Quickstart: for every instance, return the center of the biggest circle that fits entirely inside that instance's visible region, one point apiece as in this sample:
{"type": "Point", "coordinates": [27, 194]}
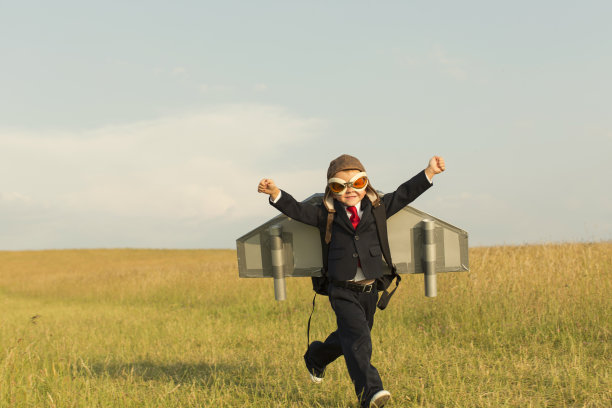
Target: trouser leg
{"type": "Point", "coordinates": [355, 317]}
{"type": "Point", "coordinates": [321, 354]}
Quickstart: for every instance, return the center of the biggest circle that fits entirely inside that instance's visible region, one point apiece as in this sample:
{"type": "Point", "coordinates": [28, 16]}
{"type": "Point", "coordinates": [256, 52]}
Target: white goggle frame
{"type": "Point", "coordinates": [349, 183]}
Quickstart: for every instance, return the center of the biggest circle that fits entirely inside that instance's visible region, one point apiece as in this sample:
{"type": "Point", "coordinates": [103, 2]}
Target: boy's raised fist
{"type": "Point", "coordinates": [436, 166]}
{"type": "Point", "coordinates": [267, 186]}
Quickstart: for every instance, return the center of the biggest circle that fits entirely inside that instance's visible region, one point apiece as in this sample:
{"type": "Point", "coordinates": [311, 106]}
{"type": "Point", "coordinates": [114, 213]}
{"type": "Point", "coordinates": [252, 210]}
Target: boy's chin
{"type": "Point", "coordinates": [352, 201]}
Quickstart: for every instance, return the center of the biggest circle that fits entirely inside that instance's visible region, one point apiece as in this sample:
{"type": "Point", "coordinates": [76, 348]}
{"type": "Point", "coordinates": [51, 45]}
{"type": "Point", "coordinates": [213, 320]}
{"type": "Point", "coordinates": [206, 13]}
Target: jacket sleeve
{"type": "Point", "coordinates": [306, 213]}
{"type": "Point", "coordinates": [406, 193]}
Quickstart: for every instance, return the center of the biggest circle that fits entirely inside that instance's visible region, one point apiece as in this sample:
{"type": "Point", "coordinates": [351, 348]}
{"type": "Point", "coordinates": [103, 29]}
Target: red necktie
{"type": "Point", "coordinates": [354, 217]}
{"type": "Point", "coordinates": [355, 221]}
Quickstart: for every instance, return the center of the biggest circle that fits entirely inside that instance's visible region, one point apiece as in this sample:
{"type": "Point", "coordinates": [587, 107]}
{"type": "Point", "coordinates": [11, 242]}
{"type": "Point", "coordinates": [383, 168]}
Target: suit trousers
{"type": "Point", "coordinates": [355, 318]}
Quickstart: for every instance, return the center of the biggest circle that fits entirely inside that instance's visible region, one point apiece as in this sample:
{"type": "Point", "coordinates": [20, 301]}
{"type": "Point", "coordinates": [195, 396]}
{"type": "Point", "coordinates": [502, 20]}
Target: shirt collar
{"type": "Point", "coordinates": [357, 206]}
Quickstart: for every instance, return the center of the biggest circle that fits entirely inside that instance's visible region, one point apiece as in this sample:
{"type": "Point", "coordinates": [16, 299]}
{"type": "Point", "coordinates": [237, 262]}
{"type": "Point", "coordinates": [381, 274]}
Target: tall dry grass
{"type": "Point", "coordinates": [528, 326]}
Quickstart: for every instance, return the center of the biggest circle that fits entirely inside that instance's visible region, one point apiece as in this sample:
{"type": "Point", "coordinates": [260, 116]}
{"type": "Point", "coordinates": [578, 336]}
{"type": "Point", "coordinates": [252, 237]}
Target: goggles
{"type": "Point", "coordinates": [358, 182]}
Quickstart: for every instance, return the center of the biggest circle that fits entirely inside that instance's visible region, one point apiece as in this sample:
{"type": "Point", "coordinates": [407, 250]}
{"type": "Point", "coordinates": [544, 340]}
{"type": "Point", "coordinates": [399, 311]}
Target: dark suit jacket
{"type": "Point", "coordinates": [349, 245]}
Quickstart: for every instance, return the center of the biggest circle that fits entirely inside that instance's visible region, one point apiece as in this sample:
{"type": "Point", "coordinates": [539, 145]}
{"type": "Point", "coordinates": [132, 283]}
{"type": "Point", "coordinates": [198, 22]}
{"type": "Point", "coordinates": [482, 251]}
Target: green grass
{"type": "Point", "coordinates": [528, 326]}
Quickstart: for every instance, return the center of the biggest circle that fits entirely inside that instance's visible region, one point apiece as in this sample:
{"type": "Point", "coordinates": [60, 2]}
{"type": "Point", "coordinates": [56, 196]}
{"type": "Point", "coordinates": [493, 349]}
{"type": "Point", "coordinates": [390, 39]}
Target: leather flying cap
{"type": "Point", "coordinates": [344, 162]}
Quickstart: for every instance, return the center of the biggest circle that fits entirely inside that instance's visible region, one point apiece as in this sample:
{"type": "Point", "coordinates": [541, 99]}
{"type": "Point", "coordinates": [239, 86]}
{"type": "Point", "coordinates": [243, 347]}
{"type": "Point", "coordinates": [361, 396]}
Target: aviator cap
{"type": "Point", "coordinates": [344, 162]}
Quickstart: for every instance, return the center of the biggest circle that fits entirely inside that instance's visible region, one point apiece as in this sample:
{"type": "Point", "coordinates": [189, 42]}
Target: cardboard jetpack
{"type": "Point", "coordinates": [420, 243]}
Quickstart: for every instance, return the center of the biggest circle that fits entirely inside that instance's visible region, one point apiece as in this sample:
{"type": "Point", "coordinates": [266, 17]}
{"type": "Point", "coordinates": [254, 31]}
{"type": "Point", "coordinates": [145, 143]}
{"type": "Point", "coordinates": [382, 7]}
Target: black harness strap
{"type": "Point", "coordinates": [309, 319]}
{"type": "Point", "coordinates": [380, 217]}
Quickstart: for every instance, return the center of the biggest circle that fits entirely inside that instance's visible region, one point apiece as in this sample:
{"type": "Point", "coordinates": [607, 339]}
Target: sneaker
{"type": "Point", "coordinates": [380, 399]}
{"type": "Point", "coordinates": [316, 376]}
{"type": "Point", "coordinates": [315, 379]}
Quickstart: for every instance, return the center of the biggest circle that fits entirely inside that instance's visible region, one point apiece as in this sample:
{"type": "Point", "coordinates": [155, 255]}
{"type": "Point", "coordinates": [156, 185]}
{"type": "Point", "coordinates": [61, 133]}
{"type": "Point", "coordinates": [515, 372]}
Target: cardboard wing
{"type": "Point", "coordinates": [283, 247]}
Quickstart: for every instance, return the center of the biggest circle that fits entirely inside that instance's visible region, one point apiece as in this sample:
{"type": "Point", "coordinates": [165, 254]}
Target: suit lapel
{"type": "Point", "coordinates": [366, 216]}
{"type": "Point", "coordinates": [341, 217]}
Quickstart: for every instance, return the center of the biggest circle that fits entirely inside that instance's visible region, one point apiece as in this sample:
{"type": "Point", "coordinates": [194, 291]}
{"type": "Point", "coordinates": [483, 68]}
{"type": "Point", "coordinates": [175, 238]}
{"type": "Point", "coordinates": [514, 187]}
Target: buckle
{"type": "Point", "coordinates": [355, 287]}
{"type": "Point", "coordinates": [361, 288]}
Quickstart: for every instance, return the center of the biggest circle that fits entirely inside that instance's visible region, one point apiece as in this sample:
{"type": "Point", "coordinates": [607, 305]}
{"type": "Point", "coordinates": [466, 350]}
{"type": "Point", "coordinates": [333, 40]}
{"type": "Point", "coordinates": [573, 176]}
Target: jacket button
{"type": "Point", "coordinates": [356, 237]}
{"type": "Point", "coordinates": [355, 255]}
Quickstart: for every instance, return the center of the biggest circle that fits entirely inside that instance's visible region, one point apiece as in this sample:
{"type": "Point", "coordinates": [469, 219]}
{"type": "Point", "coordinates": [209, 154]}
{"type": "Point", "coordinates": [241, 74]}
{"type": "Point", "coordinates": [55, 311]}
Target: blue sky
{"type": "Point", "coordinates": [149, 124]}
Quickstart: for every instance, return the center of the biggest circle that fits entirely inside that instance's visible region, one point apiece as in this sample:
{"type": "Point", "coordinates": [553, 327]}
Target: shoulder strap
{"type": "Point", "coordinates": [380, 216]}
{"type": "Point", "coordinates": [322, 231]}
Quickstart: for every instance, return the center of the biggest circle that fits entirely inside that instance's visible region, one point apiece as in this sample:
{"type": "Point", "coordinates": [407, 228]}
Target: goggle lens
{"type": "Point", "coordinates": [360, 183]}
{"type": "Point", "coordinates": [339, 186]}
{"type": "Point", "coordinates": [336, 187]}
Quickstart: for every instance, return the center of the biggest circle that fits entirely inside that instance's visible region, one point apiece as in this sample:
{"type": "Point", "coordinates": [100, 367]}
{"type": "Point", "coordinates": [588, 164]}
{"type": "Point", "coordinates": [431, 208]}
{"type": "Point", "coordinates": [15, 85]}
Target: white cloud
{"type": "Point", "coordinates": [177, 71]}
{"type": "Point", "coordinates": [12, 197]}
{"type": "Point", "coordinates": [454, 67]}
{"type": "Point", "coordinates": [199, 166]}
{"type": "Point", "coordinates": [260, 87]}
{"type": "Point", "coordinates": [205, 88]}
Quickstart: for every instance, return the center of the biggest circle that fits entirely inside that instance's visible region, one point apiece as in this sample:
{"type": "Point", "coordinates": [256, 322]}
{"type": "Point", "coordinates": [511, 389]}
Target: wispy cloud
{"type": "Point", "coordinates": [177, 71]}
{"type": "Point", "coordinates": [455, 67]}
{"type": "Point", "coordinates": [195, 166]}
{"type": "Point", "coordinates": [260, 87]}
{"type": "Point", "coordinates": [205, 88]}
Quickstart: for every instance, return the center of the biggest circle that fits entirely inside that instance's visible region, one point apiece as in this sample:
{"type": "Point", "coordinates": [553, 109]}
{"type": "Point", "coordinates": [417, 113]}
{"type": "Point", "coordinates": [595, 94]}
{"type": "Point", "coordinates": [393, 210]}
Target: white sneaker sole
{"type": "Point", "coordinates": [316, 380]}
{"type": "Point", "coordinates": [380, 399]}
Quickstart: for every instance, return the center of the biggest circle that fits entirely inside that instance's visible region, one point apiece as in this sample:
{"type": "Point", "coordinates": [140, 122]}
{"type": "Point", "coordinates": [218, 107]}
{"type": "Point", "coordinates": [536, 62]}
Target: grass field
{"type": "Point", "coordinates": [528, 326]}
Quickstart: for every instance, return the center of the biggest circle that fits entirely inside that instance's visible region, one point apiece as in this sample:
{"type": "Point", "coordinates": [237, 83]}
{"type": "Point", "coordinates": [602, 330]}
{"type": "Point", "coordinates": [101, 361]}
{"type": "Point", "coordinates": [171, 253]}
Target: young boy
{"type": "Point", "coordinates": [354, 263]}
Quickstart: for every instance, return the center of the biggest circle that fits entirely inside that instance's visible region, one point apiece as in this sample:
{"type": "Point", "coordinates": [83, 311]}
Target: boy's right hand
{"type": "Point", "coordinates": [267, 186]}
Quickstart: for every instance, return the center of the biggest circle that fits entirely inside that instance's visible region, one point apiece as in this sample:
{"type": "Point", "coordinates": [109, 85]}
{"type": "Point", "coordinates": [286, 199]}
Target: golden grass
{"type": "Point", "coordinates": [528, 326]}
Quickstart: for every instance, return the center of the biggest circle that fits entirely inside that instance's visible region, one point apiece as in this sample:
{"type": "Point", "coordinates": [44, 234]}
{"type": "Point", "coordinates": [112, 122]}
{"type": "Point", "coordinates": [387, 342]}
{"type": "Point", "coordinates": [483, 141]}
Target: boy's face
{"type": "Point", "coordinates": [350, 197]}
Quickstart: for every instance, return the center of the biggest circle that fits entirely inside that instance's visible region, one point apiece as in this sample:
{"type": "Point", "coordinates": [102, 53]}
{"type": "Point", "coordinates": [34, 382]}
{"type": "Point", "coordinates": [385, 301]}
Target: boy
{"type": "Point", "coordinates": [354, 263]}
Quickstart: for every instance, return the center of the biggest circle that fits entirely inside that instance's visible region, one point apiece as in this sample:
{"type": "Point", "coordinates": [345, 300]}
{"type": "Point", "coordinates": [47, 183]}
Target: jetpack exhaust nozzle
{"type": "Point", "coordinates": [278, 262]}
{"type": "Point", "coordinates": [429, 258]}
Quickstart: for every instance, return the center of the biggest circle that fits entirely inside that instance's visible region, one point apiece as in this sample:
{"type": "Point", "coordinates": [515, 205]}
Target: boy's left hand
{"type": "Point", "coordinates": [436, 166]}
